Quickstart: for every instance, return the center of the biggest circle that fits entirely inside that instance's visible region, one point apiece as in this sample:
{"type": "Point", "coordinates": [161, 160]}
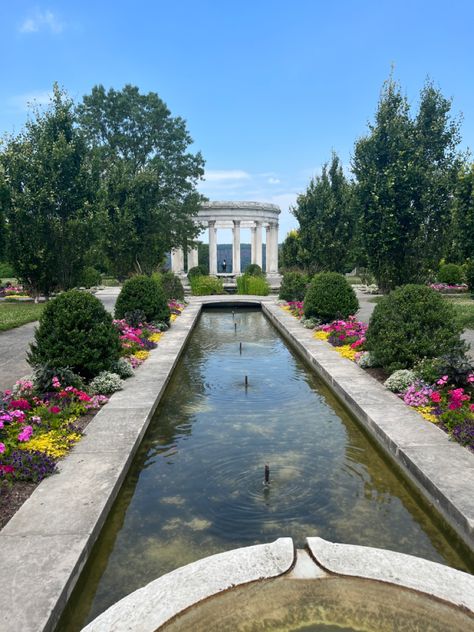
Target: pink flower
{"type": "Point", "coordinates": [2, 448]}
{"type": "Point", "coordinates": [54, 409]}
{"type": "Point", "coordinates": [435, 397]}
{"type": "Point", "coordinates": [25, 434]}
{"type": "Point", "coordinates": [470, 378]}
{"type": "Point", "coordinates": [56, 382]}
{"type": "Point", "coordinates": [442, 380]}
{"type": "Point", "coordinates": [18, 415]}
{"type": "Point", "coordinates": [22, 404]}
{"type": "Point", "coordinates": [471, 408]}
{"type": "Point", "coordinates": [7, 469]}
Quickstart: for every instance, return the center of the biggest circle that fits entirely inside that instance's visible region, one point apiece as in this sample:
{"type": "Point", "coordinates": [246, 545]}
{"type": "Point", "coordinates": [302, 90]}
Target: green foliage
{"type": "Point", "coordinates": [90, 277]}
{"type": "Point", "coordinates": [206, 285]}
{"type": "Point", "coordinates": [290, 252]}
{"type": "Point", "coordinates": [411, 323]}
{"type": "Point", "coordinates": [469, 274]}
{"type": "Point", "coordinates": [406, 169]}
{"type": "Point", "coordinates": [462, 233]}
{"type": "Point", "coordinates": [143, 293]}
{"type": "Point", "coordinates": [199, 270]}
{"type": "Point", "coordinates": [123, 368]}
{"type": "Point", "coordinates": [450, 273]}
{"type": "Point", "coordinates": [6, 270]}
{"type": "Point", "coordinates": [254, 285]}
{"type": "Point", "coordinates": [329, 297]}
{"type": "Point", "coordinates": [171, 284]}
{"type": "Point", "coordinates": [326, 219]}
{"type": "Point", "coordinates": [51, 187]}
{"type": "Point", "coordinates": [106, 383]}
{"type": "Point", "coordinates": [43, 378]}
{"type": "Point", "coordinates": [254, 269]}
{"type": "Point", "coordinates": [15, 314]}
{"type": "Point", "coordinates": [400, 380]}
{"type": "Point", "coordinates": [76, 331]}
{"type": "Point", "coordinates": [456, 365]}
{"type": "Point", "coordinates": [293, 286]}
{"type": "Point", "coordinates": [203, 257]}
{"type": "Point", "coordinates": [135, 317]}
{"type": "Point", "coordinates": [147, 193]}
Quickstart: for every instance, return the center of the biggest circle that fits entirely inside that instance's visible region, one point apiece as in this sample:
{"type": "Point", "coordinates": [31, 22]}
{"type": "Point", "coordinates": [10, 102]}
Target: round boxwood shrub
{"type": "Point", "coordinates": [293, 286]}
{"type": "Point", "coordinates": [329, 297]}
{"type": "Point", "coordinates": [253, 269]}
{"type": "Point", "coordinates": [199, 270]}
{"type": "Point", "coordinates": [171, 284]}
{"type": "Point", "coordinates": [450, 273]}
{"type": "Point", "coordinates": [90, 277]}
{"type": "Point", "coordinates": [77, 332]}
{"type": "Point", "coordinates": [143, 293]}
{"type": "Point", "coordinates": [411, 323]}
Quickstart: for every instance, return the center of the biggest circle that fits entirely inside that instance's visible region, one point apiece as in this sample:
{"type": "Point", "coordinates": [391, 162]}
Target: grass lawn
{"type": "Point", "coordinates": [15, 314]}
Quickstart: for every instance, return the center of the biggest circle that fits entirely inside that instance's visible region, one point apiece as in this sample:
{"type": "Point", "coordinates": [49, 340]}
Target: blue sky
{"type": "Point", "coordinates": [268, 88]}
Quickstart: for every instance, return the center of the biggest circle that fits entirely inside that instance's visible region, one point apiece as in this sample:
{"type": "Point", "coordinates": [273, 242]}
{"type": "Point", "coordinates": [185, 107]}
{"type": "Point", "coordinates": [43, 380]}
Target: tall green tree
{"type": "Point", "coordinates": [148, 176]}
{"type": "Point", "coordinates": [4, 202]}
{"type": "Point", "coordinates": [406, 168]}
{"type": "Point", "coordinates": [290, 255]}
{"type": "Point", "coordinates": [51, 194]}
{"type": "Point", "coordinates": [325, 216]}
{"type": "Point", "coordinates": [462, 244]}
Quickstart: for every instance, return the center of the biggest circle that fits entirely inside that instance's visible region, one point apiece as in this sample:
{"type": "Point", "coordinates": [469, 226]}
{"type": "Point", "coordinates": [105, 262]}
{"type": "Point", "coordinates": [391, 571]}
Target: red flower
{"type": "Point", "coordinates": [435, 396]}
{"type": "Point", "coordinates": [54, 409]}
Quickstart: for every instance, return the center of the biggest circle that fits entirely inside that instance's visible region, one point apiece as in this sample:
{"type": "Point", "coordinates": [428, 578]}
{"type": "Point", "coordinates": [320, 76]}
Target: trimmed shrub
{"type": "Point", "coordinates": [254, 285]}
{"type": "Point", "coordinates": [43, 378]}
{"type": "Point", "coordinates": [411, 323]}
{"type": "Point", "coordinates": [90, 277]}
{"type": "Point", "coordinates": [122, 368]}
{"type": "Point", "coordinates": [143, 293]}
{"type": "Point", "coordinates": [206, 285]}
{"type": "Point", "coordinates": [293, 286]}
{"type": "Point", "coordinates": [329, 297]}
{"type": "Point", "coordinates": [75, 331]}
{"type": "Point", "coordinates": [253, 269]}
{"type": "Point", "coordinates": [199, 270]}
{"type": "Point", "coordinates": [106, 383]}
{"type": "Point", "coordinates": [171, 284]}
{"type": "Point", "coordinates": [400, 380]}
{"type": "Point", "coordinates": [450, 273]}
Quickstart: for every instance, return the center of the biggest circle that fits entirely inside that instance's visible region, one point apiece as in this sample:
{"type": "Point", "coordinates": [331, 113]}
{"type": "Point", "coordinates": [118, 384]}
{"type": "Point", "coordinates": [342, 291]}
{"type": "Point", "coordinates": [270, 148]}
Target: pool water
{"type": "Point", "coordinates": [196, 485]}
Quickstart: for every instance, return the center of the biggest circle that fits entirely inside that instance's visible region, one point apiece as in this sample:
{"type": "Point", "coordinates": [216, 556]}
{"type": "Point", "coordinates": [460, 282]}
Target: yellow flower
{"type": "Point", "coordinates": [55, 443]}
{"type": "Point", "coordinates": [155, 337]}
{"type": "Point", "coordinates": [321, 335]}
{"type": "Point", "coordinates": [426, 413]}
{"type": "Point", "coordinates": [346, 351]}
{"type": "Point", "coordinates": [141, 355]}
{"type": "Point", "coordinates": [173, 317]}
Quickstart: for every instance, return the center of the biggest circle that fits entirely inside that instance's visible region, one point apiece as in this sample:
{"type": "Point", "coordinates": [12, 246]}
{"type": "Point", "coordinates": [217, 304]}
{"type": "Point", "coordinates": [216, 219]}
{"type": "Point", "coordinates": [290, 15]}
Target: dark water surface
{"type": "Point", "coordinates": [196, 485]}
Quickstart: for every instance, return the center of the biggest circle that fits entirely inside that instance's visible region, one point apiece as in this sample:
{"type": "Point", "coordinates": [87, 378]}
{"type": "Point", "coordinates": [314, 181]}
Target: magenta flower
{"type": "Point", "coordinates": [2, 448]}
{"type": "Point", "coordinates": [25, 434]}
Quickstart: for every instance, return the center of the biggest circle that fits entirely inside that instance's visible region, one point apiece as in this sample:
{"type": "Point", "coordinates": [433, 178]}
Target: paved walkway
{"type": "Point", "coordinates": [14, 344]}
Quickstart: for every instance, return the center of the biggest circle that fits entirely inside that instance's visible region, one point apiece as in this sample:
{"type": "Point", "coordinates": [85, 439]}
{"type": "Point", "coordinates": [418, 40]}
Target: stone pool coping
{"type": "Point", "coordinates": [160, 601]}
{"type": "Point", "coordinates": [46, 543]}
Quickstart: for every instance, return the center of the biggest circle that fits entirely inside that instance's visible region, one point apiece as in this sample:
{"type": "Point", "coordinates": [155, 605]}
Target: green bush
{"type": "Point", "coordinates": [293, 286]}
{"type": "Point", "coordinates": [206, 285]}
{"type": "Point", "coordinates": [90, 277]}
{"type": "Point", "coordinates": [6, 270]}
{"type": "Point", "coordinates": [469, 274]}
{"type": "Point", "coordinates": [329, 297]}
{"type": "Point", "coordinates": [254, 285]}
{"type": "Point", "coordinates": [411, 323]}
{"type": "Point", "coordinates": [43, 378]}
{"type": "Point", "coordinates": [450, 273]}
{"type": "Point", "coordinates": [143, 293]}
{"type": "Point", "coordinates": [199, 270]}
{"type": "Point", "coordinates": [171, 284]}
{"type": "Point", "coordinates": [77, 332]}
{"type": "Point", "coordinates": [254, 269]}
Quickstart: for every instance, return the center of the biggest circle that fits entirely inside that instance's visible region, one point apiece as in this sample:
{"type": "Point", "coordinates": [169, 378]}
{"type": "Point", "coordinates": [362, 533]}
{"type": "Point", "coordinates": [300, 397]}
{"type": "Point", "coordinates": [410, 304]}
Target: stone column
{"type": "Point", "coordinates": [258, 243]}
{"type": "Point", "coordinates": [275, 247]}
{"type": "Point", "coordinates": [253, 251]}
{"type": "Point", "coordinates": [193, 258]}
{"type": "Point", "coordinates": [177, 261]}
{"type": "Point", "coordinates": [272, 248]}
{"type": "Point", "coordinates": [236, 247]}
{"type": "Point", "coordinates": [269, 248]}
{"type": "Point", "coordinates": [212, 247]}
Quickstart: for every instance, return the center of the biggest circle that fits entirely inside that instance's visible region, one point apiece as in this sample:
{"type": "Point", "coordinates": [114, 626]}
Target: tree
{"type": "Point", "coordinates": [462, 245]}
{"type": "Point", "coordinates": [290, 255]}
{"type": "Point", "coordinates": [51, 192]}
{"type": "Point", "coordinates": [405, 169]}
{"type": "Point", "coordinates": [326, 220]}
{"type": "Point", "coordinates": [148, 177]}
{"type": "Point", "coordinates": [4, 201]}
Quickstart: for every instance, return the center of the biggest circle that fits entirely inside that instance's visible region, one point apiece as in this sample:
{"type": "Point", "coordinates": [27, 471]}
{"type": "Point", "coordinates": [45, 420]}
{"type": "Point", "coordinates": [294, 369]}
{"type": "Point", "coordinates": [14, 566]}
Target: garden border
{"type": "Point", "coordinates": [40, 537]}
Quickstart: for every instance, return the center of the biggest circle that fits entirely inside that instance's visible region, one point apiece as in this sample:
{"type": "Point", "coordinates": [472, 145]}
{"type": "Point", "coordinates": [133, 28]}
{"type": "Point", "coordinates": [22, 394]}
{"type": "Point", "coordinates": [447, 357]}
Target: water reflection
{"type": "Point", "coordinates": [196, 486]}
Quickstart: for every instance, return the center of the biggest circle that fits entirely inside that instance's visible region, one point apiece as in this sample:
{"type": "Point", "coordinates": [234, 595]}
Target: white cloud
{"type": "Point", "coordinates": [273, 180]}
{"type": "Point", "coordinates": [224, 175]}
{"type": "Point", "coordinates": [24, 101]}
{"type": "Point", "coordinates": [42, 20]}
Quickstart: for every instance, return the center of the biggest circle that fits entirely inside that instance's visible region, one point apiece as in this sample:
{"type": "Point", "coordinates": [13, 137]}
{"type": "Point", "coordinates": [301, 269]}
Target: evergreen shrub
{"type": "Point", "coordinates": [77, 332]}
{"type": "Point", "coordinates": [143, 293]}
{"type": "Point", "coordinates": [254, 285]}
{"type": "Point", "coordinates": [171, 284]}
{"type": "Point", "coordinates": [90, 277]}
{"type": "Point", "coordinates": [253, 269]}
{"type": "Point", "coordinates": [206, 285]}
{"type": "Point", "coordinates": [199, 270]}
{"type": "Point", "coordinates": [293, 286]}
{"type": "Point", "coordinates": [451, 274]}
{"type": "Point", "coordinates": [411, 323]}
{"type": "Point", "coordinates": [329, 297]}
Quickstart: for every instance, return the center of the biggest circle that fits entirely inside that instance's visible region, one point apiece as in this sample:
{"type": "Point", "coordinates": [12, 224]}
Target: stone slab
{"type": "Point", "coordinates": [150, 607]}
{"type": "Point", "coordinates": [404, 570]}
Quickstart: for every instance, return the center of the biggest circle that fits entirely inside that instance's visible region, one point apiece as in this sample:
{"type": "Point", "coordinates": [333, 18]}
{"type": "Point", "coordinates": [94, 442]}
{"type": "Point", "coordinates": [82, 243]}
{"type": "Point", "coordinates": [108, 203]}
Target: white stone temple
{"type": "Point", "coordinates": [235, 215]}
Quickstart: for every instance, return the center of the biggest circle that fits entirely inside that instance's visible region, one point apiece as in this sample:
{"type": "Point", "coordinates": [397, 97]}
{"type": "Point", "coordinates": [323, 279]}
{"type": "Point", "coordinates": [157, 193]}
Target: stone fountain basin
{"type": "Point", "coordinates": [275, 587]}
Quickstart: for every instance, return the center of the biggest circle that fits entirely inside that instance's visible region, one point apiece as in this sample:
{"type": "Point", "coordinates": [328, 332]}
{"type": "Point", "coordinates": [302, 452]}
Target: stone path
{"type": "Point", "coordinates": [14, 344]}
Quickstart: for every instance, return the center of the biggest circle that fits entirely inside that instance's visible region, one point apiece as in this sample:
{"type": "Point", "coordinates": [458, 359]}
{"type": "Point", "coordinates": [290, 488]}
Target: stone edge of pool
{"type": "Point", "coordinates": [159, 602]}
{"type": "Point", "coordinates": [38, 539]}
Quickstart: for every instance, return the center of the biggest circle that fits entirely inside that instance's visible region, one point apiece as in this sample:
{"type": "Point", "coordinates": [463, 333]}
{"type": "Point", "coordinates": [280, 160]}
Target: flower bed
{"type": "Point", "coordinates": [37, 429]}
{"type": "Point", "coordinates": [445, 288]}
{"type": "Point", "coordinates": [441, 402]}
